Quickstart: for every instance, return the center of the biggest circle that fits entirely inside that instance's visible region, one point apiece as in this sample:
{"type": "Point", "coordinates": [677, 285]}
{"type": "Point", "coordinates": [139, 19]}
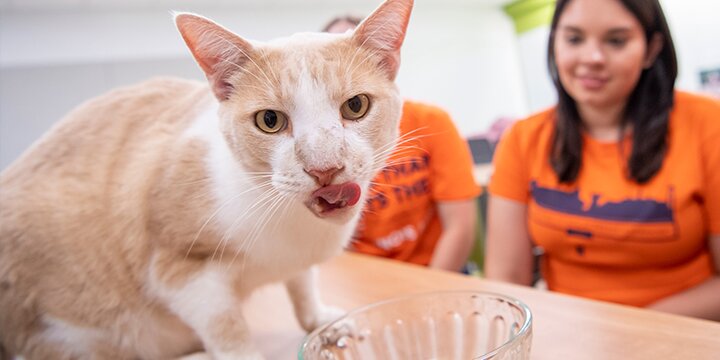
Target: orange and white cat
{"type": "Point", "coordinates": [137, 225]}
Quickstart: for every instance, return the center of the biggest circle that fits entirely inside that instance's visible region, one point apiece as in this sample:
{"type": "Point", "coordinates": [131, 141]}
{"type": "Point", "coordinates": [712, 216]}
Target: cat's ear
{"type": "Point", "coordinates": [219, 52]}
{"type": "Point", "coordinates": [384, 31]}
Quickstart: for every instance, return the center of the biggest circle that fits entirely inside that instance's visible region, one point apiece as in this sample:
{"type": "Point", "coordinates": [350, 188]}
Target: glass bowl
{"type": "Point", "coordinates": [438, 325]}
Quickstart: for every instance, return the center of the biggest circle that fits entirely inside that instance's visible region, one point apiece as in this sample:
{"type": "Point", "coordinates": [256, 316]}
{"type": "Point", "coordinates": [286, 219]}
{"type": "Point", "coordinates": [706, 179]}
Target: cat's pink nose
{"type": "Point", "coordinates": [324, 176]}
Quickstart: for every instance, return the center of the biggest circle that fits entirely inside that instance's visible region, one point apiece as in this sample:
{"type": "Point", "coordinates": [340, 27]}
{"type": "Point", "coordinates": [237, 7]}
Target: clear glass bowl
{"type": "Point", "coordinates": [438, 325]}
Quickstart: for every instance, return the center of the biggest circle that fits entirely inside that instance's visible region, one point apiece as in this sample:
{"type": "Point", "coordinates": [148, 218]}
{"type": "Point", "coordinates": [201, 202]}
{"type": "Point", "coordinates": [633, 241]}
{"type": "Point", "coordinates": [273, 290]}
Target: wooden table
{"type": "Point", "coordinates": [564, 327]}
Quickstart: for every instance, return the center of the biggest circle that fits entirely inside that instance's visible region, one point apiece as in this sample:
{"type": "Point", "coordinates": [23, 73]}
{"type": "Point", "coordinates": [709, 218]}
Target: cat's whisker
{"type": "Point", "coordinates": [362, 45]}
{"type": "Point", "coordinates": [266, 198]}
{"type": "Point", "coordinates": [243, 69]}
{"type": "Point", "coordinates": [364, 74]}
{"type": "Point", "coordinates": [383, 162]}
{"type": "Point", "coordinates": [247, 244]}
{"type": "Point", "coordinates": [271, 199]}
{"type": "Point", "coordinates": [267, 194]}
{"type": "Point", "coordinates": [399, 153]}
{"type": "Point", "coordinates": [267, 217]}
{"type": "Point", "coordinates": [223, 205]}
{"type": "Point", "coordinates": [245, 86]}
{"type": "Point", "coordinates": [254, 175]}
{"type": "Point", "coordinates": [269, 82]}
{"type": "Point", "coordinates": [395, 148]}
{"type": "Point", "coordinates": [373, 53]}
{"type": "Point", "coordinates": [217, 211]}
{"type": "Point", "coordinates": [402, 160]}
{"type": "Point", "coordinates": [387, 185]}
{"type": "Point", "coordinates": [402, 153]}
{"type": "Point", "coordinates": [364, 60]}
{"type": "Point", "coordinates": [373, 188]}
{"type": "Point", "coordinates": [272, 70]}
{"type": "Point", "coordinates": [413, 135]}
{"type": "Point", "coordinates": [367, 211]}
{"type": "Point", "coordinates": [225, 239]}
{"type": "Point", "coordinates": [399, 142]}
{"type": "Point", "coordinates": [398, 149]}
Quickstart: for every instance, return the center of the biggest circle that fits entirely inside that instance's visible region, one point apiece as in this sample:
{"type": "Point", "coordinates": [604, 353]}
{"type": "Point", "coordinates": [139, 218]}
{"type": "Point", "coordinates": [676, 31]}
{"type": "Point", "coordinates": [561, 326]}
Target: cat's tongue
{"type": "Point", "coordinates": [332, 197]}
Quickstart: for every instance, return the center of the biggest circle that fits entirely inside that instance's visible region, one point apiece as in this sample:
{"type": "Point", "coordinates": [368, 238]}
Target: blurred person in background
{"type": "Point", "coordinates": [422, 206]}
{"type": "Point", "coordinates": [619, 183]}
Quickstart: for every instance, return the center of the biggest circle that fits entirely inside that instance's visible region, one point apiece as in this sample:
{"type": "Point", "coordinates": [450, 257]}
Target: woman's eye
{"type": "Point", "coordinates": [270, 121]}
{"type": "Point", "coordinates": [573, 40]}
{"type": "Point", "coordinates": [617, 42]}
{"type": "Point", "coordinates": [355, 107]}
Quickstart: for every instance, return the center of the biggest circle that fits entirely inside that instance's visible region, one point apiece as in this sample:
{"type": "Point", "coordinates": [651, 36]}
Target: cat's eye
{"type": "Point", "coordinates": [355, 107]}
{"type": "Point", "coordinates": [270, 121]}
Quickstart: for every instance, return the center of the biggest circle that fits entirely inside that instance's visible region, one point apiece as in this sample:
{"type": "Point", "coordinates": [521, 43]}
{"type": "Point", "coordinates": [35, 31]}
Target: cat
{"type": "Point", "coordinates": [136, 226]}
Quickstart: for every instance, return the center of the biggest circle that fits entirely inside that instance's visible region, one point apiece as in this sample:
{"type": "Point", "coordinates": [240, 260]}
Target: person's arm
{"type": "Point", "coordinates": [456, 241]}
{"type": "Point", "coordinates": [508, 249]}
{"type": "Point", "coordinates": [703, 300]}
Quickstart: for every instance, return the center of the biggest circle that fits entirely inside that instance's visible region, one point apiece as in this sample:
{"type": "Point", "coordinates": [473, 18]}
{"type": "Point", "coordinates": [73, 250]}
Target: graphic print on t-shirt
{"type": "Point", "coordinates": [400, 183]}
{"type": "Point", "coordinates": [397, 196]}
{"type": "Point", "coordinates": [628, 220]}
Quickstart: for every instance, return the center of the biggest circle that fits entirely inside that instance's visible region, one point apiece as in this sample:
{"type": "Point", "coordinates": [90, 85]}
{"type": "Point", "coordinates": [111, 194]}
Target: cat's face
{"type": "Point", "coordinates": [319, 112]}
{"type": "Point", "coordinates": [314, 110]}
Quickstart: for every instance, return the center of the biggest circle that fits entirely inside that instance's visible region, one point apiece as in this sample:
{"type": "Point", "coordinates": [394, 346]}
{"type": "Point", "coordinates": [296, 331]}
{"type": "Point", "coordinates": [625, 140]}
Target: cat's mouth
{"type": "Point", "coordinates": [329, 199]}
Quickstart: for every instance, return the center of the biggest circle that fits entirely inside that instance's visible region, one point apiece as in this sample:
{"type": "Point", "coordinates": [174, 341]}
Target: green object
{"type": "Point", "coordinates": [476, 262]}
{"type": "Point", "coordinates": [530, 14]}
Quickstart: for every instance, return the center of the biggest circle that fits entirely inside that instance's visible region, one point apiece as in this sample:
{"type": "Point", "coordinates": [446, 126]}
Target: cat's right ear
{"type": "Point", "coordinates": [383, 32]}
{"type": "Point", "coordinates": [219, 52]}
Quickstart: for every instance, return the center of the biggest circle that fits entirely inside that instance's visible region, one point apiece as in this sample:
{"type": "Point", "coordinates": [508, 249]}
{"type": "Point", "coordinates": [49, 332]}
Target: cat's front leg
{"type": "Point", "coordinates": [204, 299]}
{"type": "Point", "coordinates": [309, 310]}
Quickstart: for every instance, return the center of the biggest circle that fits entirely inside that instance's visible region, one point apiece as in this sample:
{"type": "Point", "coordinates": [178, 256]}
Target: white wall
{"type": "Point", "coordinates": [459, 54]}
{"type": "Point", "coordinates": [696, 31]}
{"type": "Point", "coordinates": [539, 89]}
{"type": "Point", "coordinates": [467, 61]}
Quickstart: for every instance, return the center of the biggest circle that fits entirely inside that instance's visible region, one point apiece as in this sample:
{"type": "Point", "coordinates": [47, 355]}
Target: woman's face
{"type": "Point", "coordinates": [600, 51]}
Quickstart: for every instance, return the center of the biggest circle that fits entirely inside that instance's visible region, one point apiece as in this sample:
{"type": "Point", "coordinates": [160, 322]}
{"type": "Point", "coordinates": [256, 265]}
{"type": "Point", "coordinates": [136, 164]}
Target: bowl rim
{"type": "Point", "coordinates": [525, 328]}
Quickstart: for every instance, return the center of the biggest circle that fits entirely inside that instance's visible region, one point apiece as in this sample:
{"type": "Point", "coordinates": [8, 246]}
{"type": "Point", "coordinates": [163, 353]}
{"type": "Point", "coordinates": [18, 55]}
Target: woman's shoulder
{"type": "Point", "coordinates": [541, 118]}
{"type": "Point", "coordinates": [417, 108]}
{"type": "Point", "coordinates": [696, 113]}
{"type": "Point", "coordinates": [693, 104]}
{"type": "Point", "coordinates": [537, 124]}
{"type": "Point", "coordinates": [419, 114]}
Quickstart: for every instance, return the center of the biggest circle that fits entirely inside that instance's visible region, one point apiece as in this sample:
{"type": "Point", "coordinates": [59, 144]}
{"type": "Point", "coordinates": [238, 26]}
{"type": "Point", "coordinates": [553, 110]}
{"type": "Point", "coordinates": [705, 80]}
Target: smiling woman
{"type": "Point", "coordinates": [618, 183]}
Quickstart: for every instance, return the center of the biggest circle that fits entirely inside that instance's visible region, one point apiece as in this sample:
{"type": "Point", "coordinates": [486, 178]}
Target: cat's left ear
{"type": "Point", "coordinates": [219, 52]}
{"type": "Point", "coordinates": [384, 31]}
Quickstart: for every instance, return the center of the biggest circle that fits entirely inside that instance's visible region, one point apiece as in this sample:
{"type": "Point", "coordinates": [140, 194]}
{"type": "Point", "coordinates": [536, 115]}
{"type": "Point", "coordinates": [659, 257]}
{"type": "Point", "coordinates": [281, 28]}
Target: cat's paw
{"type": "Point", "coordinates": [323, 316]}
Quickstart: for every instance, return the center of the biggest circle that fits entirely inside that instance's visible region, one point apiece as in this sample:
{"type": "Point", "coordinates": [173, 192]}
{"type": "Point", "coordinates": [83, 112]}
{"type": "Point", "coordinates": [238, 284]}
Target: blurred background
{"type": "Point", "coordinates": [482, 60]}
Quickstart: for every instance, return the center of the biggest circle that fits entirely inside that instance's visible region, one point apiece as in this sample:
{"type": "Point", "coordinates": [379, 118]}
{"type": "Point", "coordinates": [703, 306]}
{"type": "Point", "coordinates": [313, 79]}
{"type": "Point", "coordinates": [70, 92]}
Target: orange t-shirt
{"type": "Point", "coordinates": [431, 163]}
{"type": "Point", "coordinates": [609, 238]}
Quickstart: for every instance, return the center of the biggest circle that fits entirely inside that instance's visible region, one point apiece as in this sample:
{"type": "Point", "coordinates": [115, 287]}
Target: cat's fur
{"type": "Point", "coordinates": [135, 227]}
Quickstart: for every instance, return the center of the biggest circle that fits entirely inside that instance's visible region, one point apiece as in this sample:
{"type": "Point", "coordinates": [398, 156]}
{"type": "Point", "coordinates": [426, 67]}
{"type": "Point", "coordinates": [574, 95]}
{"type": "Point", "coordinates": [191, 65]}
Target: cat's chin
{"type": "Point", "coordinates": [335, 201]}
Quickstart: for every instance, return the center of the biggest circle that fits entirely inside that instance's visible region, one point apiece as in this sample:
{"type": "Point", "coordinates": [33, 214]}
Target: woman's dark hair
{"type": "Point", "coordinates": [647, 110]}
